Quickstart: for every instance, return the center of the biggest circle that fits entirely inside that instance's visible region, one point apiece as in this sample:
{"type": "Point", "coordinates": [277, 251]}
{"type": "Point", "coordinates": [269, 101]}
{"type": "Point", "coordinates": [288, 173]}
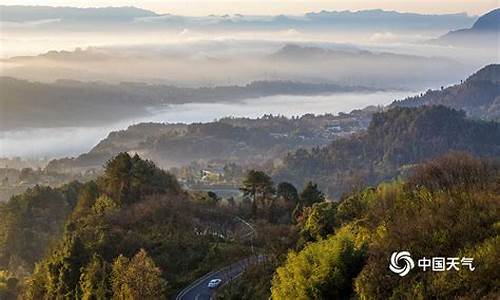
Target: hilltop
{"type": "Point", "coordinates": [478, 95]}
{"type": "Point", "coordinates": [394, 140]}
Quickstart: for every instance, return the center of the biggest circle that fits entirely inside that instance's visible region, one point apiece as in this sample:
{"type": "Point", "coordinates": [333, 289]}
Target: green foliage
{"type": "Point", "coordinates": [320, 221]}
{"type": "Point", "coordinates": [94, 281]}
{"type": "Point", "coordinates": [138, 278]}
{"type": "Point", "coordinates": [254, 284]}
{"type": "Point", "coordinates": [483, 283]}
{"type": "Point", "coordinates": [259, 186]}
{"type": "Point", "coordinates": [394, 139]}
{"type": "Point", "coordinates": [128, 179]}
{"type": "Point", "coordinates": [103, 206]}
{"type": "Point", "coordinates": [447, 208]}
{"type": "Point", "coordinates": [322, 270]}
{"type": "Point", "coordinates": [63, 269]}
{"type": "Point", "coordinates": [174, 229]}
{"type": "Point", "coordinates": [8, 286]}
{"type": "Point", "coordinates": [311, 194]}
{"type": "Point", "coordinates": [288, 192]}
{"type": "Point", "coordinates": [89, 192]}
{"type": "Point", "coordinates": [453, 219]}
{"type": "Point", "coordinates": [30, 222]}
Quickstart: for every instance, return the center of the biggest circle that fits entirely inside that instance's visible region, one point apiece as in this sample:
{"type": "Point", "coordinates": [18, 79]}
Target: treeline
{"type": "Point", "coordinates": [395, 140]}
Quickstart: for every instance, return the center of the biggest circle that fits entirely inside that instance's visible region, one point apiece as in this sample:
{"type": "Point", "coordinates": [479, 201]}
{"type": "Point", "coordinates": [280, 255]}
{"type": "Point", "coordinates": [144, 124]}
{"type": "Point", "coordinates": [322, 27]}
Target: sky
{"type": "Point", "coordinates": [273, 7]}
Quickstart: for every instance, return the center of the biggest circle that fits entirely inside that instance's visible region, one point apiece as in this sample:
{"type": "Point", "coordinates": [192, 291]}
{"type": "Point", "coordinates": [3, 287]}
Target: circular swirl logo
{"type": "Point", "coordinates": [401, 263]}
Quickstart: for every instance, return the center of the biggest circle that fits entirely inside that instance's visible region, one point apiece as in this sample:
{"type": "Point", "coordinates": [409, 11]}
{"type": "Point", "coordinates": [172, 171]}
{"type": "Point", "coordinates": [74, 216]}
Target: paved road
{"type": "Point", "coordinates": [199, 290]}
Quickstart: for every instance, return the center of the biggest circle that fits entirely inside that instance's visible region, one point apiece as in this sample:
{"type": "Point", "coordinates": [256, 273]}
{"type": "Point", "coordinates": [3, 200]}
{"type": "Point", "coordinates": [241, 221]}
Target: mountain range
{"type": "Point", "coordinates": [374, 19]}
{"type": "Point", "coordinates": [485, 31]}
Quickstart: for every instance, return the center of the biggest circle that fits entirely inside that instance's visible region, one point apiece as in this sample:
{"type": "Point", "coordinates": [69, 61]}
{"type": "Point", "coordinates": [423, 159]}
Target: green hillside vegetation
{"type": "Point", "coordinates": [132, 233]}
{"type": "Point", "coordinates": [448, 208]}
{"type": "Point", "coordinates": [31, 222]}
{"type": "Point", "coordinates": [135, 233]}
{"type": "Point", "coordinates": [395, 140]}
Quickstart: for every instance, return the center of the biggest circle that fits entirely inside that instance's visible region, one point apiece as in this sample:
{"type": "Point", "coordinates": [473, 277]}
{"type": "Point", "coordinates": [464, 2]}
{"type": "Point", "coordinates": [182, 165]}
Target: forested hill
{"type": "Point", "coordinates": [479, 95]}
{"type": "Point", "coordinates": [238, 140]}
{"type": "Point", "coordinates": [395, 139]}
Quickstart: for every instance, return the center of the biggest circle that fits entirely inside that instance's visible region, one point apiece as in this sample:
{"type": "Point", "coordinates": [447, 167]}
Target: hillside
{"type": "Point", "coordinates": [229, 140]}
{"type": "Point", "coordinates": [132, 208]}
{"type": "Point", "coordinates": [394, 140]}
{"type": "Point", "coordinates": [478, 96]}
{"type": "Point", "coordinates": [484, 32]}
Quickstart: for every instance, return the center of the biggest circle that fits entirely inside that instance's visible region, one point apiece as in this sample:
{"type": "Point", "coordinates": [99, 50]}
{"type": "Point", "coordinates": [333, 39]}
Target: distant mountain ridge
{"type": "Point", "coordinates": [375, 19]}
{"type": "Point", "coordinates": [380, 68]}
{"type": "Point", "coordinates": [294, 51]}
{"type": "Point", "coordinates": [72, 103]}
{"type": "Point", "coordinates": [484, 32]}
{"type": "Point", "coordinates": [20, 13]}
{"type": "Point", "coordinates": [478, 95]}
{"type": "Point", "coordinates": [489, 21]}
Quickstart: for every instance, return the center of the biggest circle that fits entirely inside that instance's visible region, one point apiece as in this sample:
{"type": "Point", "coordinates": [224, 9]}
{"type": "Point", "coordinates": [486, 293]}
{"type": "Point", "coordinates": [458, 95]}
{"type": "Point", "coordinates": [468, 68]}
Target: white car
{"type": "Point", "coordinates": [214, 283]}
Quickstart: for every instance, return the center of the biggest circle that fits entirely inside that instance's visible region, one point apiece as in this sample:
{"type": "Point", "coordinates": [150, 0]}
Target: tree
{"type": "Point", "coordinates": [64, 268]}
{"type": "Point", "coordinates": [320, 221]}
{"type": "Point", "coordinates": [288, 192]}
{"type": "Point", "coordinates": [28, 223]}
{"type": "Point", "coordinates": [311, 194]}
{"type": "Point", "coordinates": [8, 286]}
{"type": "Point", "coordinates": [129, 179]}
{"type": "Point", "coordinates": [138, 278]}
{"type": "Point", "coordinates": [257, 183]}
{"type": "Point", "coordinates": [86, 198]}
{"type": "Point", "coordinates": [94, 281]}
{"type": "Point", "coordinates": [322, 270]}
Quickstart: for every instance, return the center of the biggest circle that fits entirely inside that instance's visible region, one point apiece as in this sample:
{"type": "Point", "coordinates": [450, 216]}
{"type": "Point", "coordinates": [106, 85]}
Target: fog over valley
{"type": "Point", "coordinates": [87, 72]}
{"type": "Point", "coordinates": [68, 140]}
{"type": "Point", "coordinates": [249, 149]}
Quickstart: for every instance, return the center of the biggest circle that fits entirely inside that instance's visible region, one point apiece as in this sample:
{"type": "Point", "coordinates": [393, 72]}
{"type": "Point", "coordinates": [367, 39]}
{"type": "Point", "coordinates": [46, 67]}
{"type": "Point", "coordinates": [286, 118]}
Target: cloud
{"type": "Point", "coordinates": [389, 37]}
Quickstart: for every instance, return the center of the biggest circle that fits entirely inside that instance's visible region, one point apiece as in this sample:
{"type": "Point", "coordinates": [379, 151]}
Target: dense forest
{"type": "Point", "coordinates": [135, 234]}
{"type": "Point", "coordinates": [133, 221]}
{"type": "Point", "coordinates": [447, 208]}
{"type": "Point", "coordinates": [479, 95]}
{"type": "Point", "coordinates": [394, 141]}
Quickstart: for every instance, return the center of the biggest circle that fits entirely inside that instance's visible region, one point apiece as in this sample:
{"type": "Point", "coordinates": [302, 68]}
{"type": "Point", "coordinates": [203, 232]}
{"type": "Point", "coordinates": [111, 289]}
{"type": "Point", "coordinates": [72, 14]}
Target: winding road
{"type": "Point", "coordinates": [199, 290]}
